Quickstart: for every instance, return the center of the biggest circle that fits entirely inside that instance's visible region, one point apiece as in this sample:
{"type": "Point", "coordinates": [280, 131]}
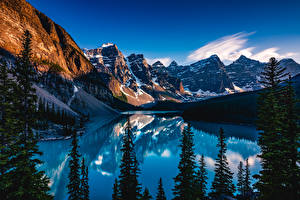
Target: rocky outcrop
{"type": "Point", "coordinates": [132, 79]}
{"type": "Point", "coordinates": [161, 76]}
{"type": "Point", "coordinates": [117, 74]}
{"type": "Point", "coordinates": [109, 59]}
{"type": "Point", "coordinates": [52, 47]}
{"type": "Point", "coordinates": [140, 69]}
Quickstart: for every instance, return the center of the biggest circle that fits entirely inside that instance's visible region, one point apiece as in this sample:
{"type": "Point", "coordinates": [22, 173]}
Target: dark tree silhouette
{"type": "Point", "coordinates": [247, 181]}
{"type": "Point", "coordinates": [74, 174]}
{"type": "Point", "coordinates": [291, 138]}
{"type": "Point", "coordinates": [26, 182]}
{"type": "Point", "coordinates": [116, 191]}
{"type": "Point", "coordinates": [160, 191]}
{"type": "Point", "coordinates": [222, 184]}
{"type": "Point", "coordinates": [240, 179]}
{"type": "Point", "coordinates": [201, 180]}
{"type": "Point", "coordinates": [84, 183]}
{"type": "Point", "coordinates": [185, 180]}
{"type": "Point", "coordinates": [8, 129]}
{"type": "Point", "coordinates": [271, 179]}
{"type": "Point", "coordinates": [146, 195]}
{"type": "Point", "coordinates": [128, 179]}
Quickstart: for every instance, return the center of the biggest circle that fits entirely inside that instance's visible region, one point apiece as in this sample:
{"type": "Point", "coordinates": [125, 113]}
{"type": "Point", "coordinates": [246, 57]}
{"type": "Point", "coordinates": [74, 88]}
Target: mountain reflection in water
{"type": "Point", "coordinates": [157, 140]}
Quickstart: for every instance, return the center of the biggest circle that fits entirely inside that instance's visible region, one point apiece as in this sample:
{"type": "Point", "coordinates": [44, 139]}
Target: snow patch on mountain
{"type": "Point", "coordinates": [74, 94]}
{"type": "Point", "coordinates": [137, 80]}
{"type": "Point", "coordinates": [238, 89]}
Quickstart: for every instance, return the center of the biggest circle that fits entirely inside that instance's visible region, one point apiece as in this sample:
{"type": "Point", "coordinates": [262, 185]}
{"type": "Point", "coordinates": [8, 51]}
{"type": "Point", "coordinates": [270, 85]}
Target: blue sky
{"type": "Point", "coordinates": [186, 30]}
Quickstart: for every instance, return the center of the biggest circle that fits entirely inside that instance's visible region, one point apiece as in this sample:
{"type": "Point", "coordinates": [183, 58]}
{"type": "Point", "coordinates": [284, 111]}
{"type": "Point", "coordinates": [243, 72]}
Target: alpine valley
{"type": "Point", "coordinates": [82, 81]}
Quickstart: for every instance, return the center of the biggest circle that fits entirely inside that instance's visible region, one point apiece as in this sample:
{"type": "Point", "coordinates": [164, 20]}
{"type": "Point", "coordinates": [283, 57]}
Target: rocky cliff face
{"type": "Point", "coordinates": [132, 78]}
{"type": "Point", "coordinates": [62, 62]}
{"type": "Point", "coordinates": [161, 75]}
{"type": "Point", "coordinates": [53, 48]}
{"type": "Point", "coordinates": [207, 75]}
{"type": "Point", "coordinates": [109, 59]}
{"type": "Point", "coordinates": [244, 73]}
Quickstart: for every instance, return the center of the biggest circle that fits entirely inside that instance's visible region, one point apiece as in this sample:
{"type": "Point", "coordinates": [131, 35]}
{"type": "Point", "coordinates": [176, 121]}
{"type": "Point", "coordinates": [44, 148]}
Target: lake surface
{"type": "Point", "coordinates": [156, 139]}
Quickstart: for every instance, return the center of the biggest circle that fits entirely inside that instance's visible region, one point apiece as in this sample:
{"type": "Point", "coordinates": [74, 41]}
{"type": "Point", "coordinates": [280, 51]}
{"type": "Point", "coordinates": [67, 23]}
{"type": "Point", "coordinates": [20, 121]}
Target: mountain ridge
{"type": "Point", "coordinates": [52, 47]}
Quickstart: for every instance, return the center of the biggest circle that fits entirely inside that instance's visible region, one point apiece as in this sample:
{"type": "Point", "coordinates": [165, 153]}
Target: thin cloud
{"type": "Point", "coordinates": [229, 48]}
{"type": "Point", "coordinates": [166, 60]}
{"type": "Point", "coordinates": [266, 54]}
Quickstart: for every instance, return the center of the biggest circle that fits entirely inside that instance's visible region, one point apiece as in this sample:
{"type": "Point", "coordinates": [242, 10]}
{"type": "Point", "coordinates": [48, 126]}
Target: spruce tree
{"type": "Point", "coordinates": [201, 180]}
{"type": "Point", "coordinates": [184, 181]}
{"type": "Point", "coordinates": [74, 174]}
{"type": "Point", "coordinates": [8, 131]}
{"type": "Point", "coordinates": [84, 183]}
{"type": "Point", "coordinates": [146, 195]}
{"type": "Point", "coordinates": [160, 193]}
{"type": "Point", "coordinates": [271, 178]}
{"type": "Point", "coordinates": [240, 179]}
{"type": "Point", "coordinates": [222, 184]}
{"type": "Point", "coordinates": [247, 181]}
{"type": "Point", "coordinates": [116, 191]}
{"type": "Point", "coordinates": [26, 76]}
{"type": "Point", "coordinates": [129, 170]}
{"type": "Point", "coordinates": [27, 181]}
{"type": "Point", "coordinates": [291, 142]}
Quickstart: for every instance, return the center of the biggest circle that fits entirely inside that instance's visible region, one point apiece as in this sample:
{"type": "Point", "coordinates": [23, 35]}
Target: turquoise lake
{"type": "Point", "coordinates": [157, 138]}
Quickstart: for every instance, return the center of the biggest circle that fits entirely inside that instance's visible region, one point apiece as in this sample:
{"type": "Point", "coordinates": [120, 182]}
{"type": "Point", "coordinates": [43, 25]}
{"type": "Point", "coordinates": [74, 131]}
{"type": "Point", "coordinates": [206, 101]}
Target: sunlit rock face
{"type": "Point", "coordinates": [51, 44]}
{"type": "Point", "coordinates": [132, 78]}
{"type": "Point", "coordinates": [110, 60]}
{"type": "Point", "coordinates": [156, 140]}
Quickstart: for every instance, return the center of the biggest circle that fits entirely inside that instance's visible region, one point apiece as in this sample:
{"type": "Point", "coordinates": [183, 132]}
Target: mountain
{"type": "Point", "coordinates": [52, 47]}
{"type": "Point", "coordinates": [58, 58]}
{"type": "Point", "coordinates": [132, 79]}
{"type": "Point", "coordinates": [207, 75]}
{"type": "Point", "coordinates": [162, 77]}
{"type": "Point", "coordinates": [291, 66]}
{"type": "Point", "coordinates": [210, 77]}
{"type": "Point", "coordinates": [108, 75]}
{"type": "Point", "coordinates": [234, 108]}
{"type": "Point", "coordinates": [244, 73]}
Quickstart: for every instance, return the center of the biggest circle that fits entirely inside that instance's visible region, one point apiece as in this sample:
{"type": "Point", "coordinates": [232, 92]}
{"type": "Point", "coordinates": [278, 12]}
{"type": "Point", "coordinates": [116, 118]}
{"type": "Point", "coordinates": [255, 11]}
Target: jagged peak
{"type": "Point", "coordinates": [133, 57]}
{"type": "Point", "coordinates": [158, 64]}
{"type": "Point", "coordinates": [243, 59]}
{"type": "Point", "coordinates": [214, 56]}
{"type": "Point", "coordinates": [173, 64]}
